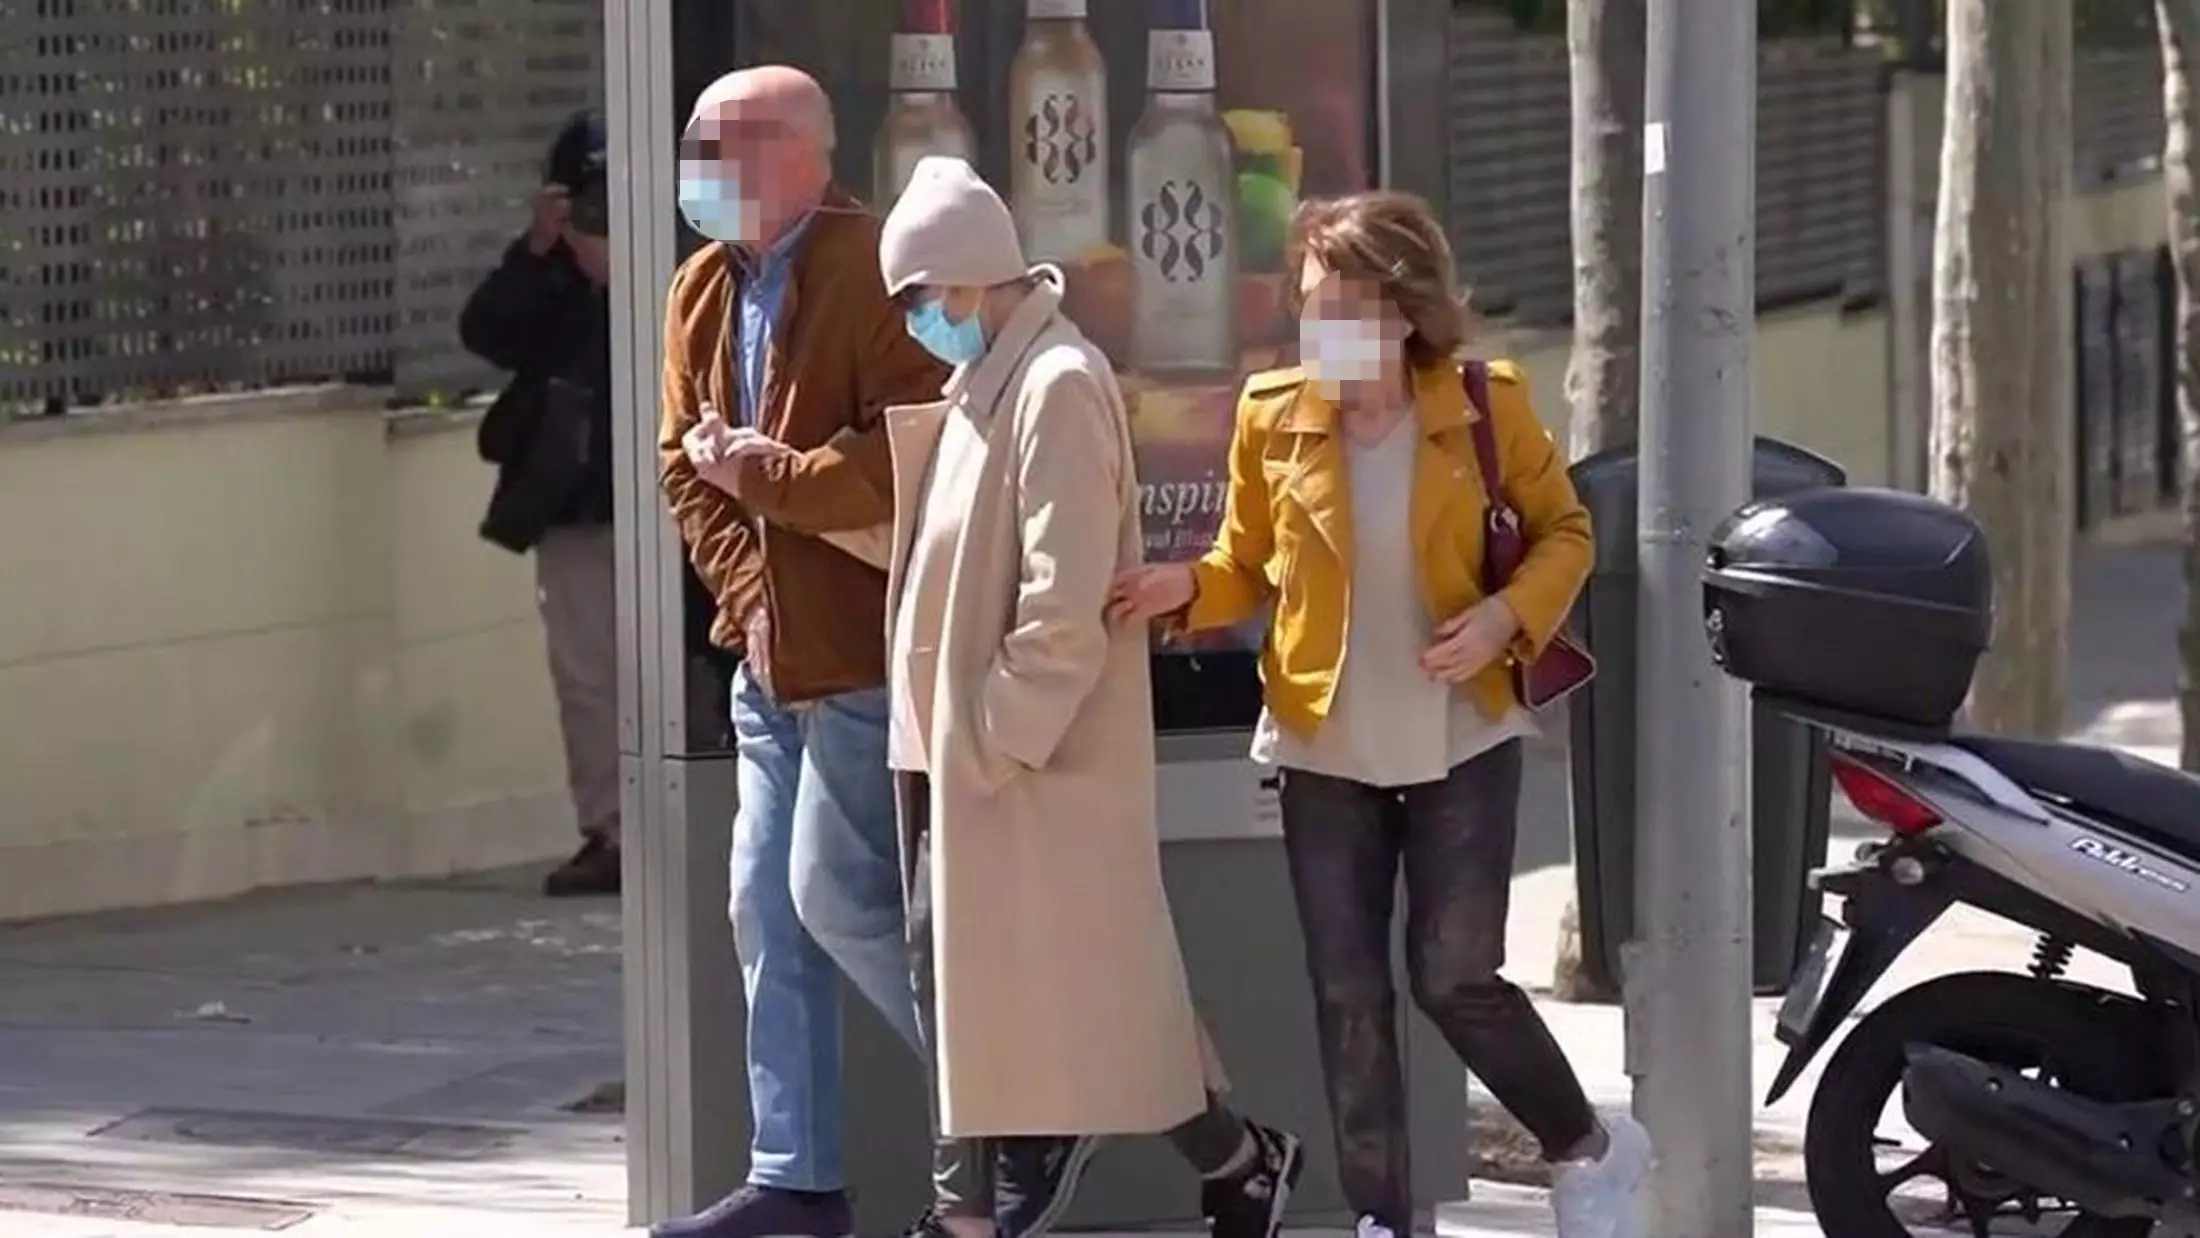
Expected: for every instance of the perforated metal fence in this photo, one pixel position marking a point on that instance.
(1821, 172)
(207, 195)
(1510, 167)
(1821, 169)
(482, 86)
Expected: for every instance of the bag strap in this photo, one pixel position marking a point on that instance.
(1503, 547)
(1476, 376)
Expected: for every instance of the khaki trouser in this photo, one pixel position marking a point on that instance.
(576, 587)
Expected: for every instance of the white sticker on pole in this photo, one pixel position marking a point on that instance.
(1653, 148)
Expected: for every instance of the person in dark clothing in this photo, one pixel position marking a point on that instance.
(544, 315)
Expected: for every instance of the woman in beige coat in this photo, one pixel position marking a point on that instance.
(1050, 985)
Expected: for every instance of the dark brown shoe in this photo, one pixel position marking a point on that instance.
(593, 871)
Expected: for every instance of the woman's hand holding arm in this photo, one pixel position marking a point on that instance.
(1151, 591)
(1230, 581)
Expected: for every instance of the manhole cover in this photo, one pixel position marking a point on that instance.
(305, 1133)
(153, 1207)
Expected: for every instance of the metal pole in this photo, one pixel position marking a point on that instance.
(686, 1090)
(1688, 979)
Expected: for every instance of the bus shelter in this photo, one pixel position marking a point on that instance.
(1154, 151)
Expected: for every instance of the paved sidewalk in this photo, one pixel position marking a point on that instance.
(405, 1051)
(376, 1061)
(400, 1061)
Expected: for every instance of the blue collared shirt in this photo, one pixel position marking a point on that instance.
(763, 296)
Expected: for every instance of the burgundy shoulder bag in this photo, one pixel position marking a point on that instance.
(1563, 665)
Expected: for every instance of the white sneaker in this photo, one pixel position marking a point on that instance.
(1369, 1227)
(1603, 1198)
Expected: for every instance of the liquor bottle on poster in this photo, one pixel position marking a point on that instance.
(1058, 113)
(1182, 203)
(921, 114)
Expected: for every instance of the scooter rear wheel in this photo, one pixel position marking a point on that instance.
(2007, 1019)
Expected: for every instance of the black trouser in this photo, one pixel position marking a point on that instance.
(1346, 842)
(968, 1173)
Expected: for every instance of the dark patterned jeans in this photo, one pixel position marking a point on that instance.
(971, 1176)
(1346, 842)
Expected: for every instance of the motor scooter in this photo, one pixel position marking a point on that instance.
(2043, 1104)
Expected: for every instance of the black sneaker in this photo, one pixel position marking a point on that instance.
(1251, 1204)
(593, 870)
(1035, 1179)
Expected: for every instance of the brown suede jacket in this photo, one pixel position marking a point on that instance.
(809, 619)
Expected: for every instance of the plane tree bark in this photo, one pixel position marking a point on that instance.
(2002, 340)
(1604, 57)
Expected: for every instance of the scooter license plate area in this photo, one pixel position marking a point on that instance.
(1807, 990)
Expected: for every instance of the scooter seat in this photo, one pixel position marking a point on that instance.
(2158, 803)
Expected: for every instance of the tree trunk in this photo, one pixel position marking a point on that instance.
(1604, 57)
(2001, 351)
(2178, 22)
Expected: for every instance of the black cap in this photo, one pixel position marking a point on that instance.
(576, 158)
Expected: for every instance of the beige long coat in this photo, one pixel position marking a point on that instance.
(1063, 1005)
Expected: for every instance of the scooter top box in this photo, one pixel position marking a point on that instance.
(1876, 603)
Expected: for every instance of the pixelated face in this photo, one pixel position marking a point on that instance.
(726, 137)
(1326, 296)
(1349, 331)
(741, 177)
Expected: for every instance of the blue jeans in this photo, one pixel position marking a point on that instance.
(816, 891)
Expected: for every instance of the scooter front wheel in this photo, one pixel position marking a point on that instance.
(2046, 1028)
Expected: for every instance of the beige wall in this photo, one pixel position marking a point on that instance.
(255, 642)
(1820, 376)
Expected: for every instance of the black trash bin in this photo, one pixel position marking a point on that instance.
(2141, 364)
(2094, 302)
(1789, 789)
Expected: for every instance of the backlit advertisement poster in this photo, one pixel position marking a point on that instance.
(1154, 150)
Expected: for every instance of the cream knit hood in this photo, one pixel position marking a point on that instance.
(949, 229)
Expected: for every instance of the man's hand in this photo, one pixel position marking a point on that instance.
(721, 452)
(553, 210)
(1469, 641)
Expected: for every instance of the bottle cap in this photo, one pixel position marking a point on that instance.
(928, 16)
(1054, 10)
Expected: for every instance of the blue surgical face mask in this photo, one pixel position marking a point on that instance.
(956, 343)
(710, 197)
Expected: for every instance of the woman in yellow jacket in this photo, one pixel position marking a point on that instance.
(1356, 507)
